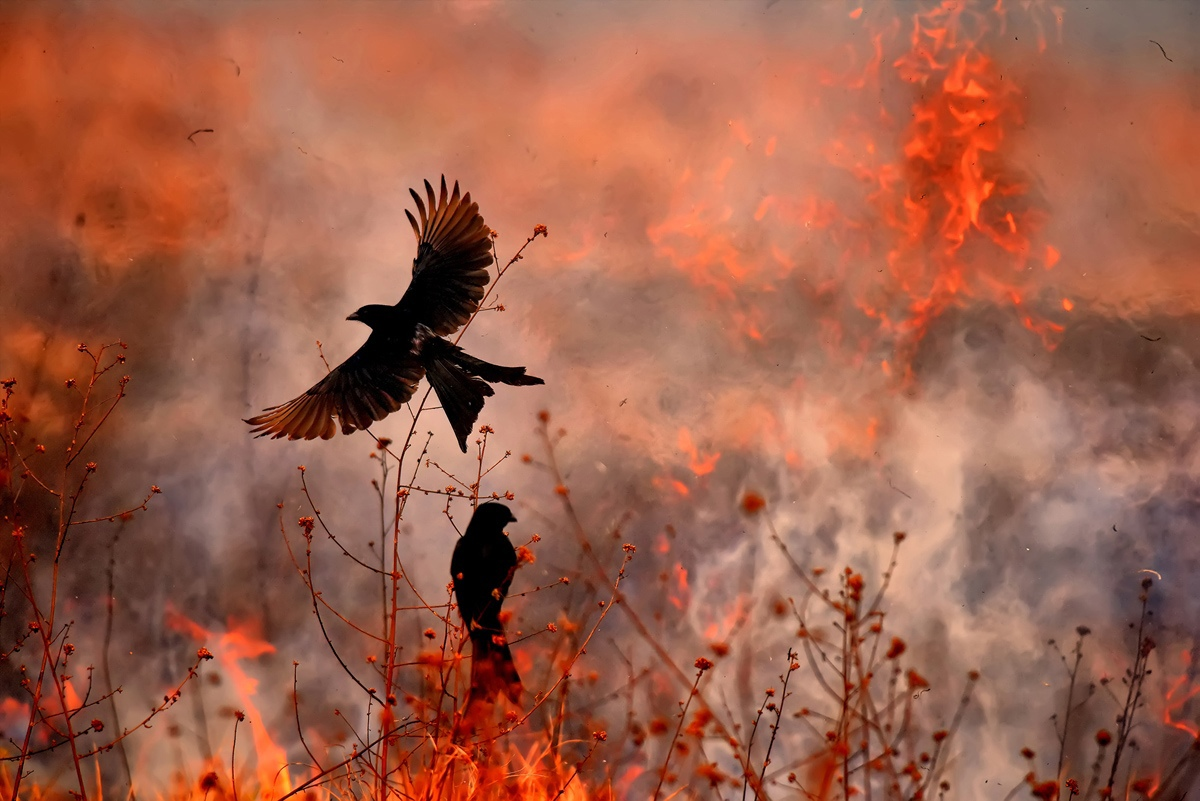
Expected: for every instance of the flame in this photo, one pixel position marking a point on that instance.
(240, 642)
(14, 717)
(964, 229)
(948, 214)
(700, 465)
(1180, 691)
(680, 595)
(725, 624)
(673, 484)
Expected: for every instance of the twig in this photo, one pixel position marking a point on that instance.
(110, 603)
(701, 666)
(238, 717)
(793, 665)
(639, 626)
(1073, 670)
(1135, 677)
(357, 755)
(597, 738)
(296, 708)
(168, 701)
(317, 609)
(746, 774)
(943, 741)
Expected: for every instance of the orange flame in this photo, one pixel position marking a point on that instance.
(957, 223)
(700, 465)
(230, 648)
(1178, 694)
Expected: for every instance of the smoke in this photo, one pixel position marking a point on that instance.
(718, 308)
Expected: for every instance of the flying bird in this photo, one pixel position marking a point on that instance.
(407, 340)
(482, 568)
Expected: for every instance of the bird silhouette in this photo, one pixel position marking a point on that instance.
(407, 340)
(482, 567)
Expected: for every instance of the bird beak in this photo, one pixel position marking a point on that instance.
(355, 317)
(512, 519)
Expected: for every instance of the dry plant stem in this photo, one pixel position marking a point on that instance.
(444, 677)
(1094, 781)
(306, 575)
(866, 712)
(562, 680)
(746, 771)
(357, 737)
(321, 353)
(1167, 787)
(110, 613)
(397, 573)
(860, 718)
(539, 231)
(46, 617)
(614, 600)
(1073, 671)
(50, 666)
(391, 600)
(1133, 694)
(356, 755)
(296, 708)
(849, 634)
(630, 614)
(385, 711)
(856, 708)
(934, 769)
(233, 756)
(812, 650)
(312, 505)
(662, 773)
(785, 678)
(383, 532)
(578, 767)
(168, 701)
(461, 493)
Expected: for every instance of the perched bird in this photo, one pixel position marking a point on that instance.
(449, 274)
(482, 567)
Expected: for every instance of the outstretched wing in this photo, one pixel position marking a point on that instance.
(454, 250)
(370, 385)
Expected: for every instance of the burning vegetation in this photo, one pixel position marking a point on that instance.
(810, 289)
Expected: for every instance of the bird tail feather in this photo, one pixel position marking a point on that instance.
(492, 669)
(461, 395)
(461, 382)
(495, 373)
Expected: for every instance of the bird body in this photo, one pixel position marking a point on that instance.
(482, 568)
(407, 341)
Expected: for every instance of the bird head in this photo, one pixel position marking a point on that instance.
(493, 514)
(373, 315)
